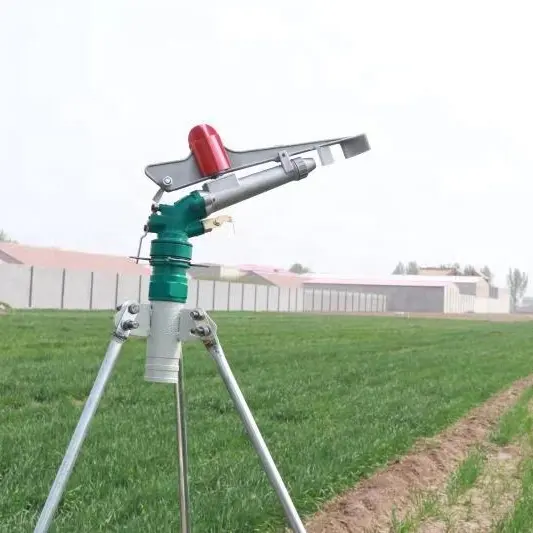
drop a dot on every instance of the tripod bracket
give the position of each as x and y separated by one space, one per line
126 320
190 325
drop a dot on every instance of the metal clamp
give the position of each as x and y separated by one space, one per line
193 324
196 325
126 319
286 163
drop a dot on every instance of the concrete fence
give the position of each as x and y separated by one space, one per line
25 287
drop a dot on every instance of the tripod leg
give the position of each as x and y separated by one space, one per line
181 430
216 351
67 465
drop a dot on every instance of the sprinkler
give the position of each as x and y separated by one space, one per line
165 321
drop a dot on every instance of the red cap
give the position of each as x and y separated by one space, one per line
208 150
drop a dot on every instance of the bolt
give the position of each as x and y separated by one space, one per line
134 309
197 315
130 324
167 180
201 331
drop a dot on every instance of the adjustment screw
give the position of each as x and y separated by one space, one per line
167 180
119 307
134 309
197 315
130 324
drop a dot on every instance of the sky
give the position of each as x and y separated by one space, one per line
92 92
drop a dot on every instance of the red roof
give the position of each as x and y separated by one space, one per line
58 258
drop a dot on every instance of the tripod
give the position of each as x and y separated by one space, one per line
185 325
164 321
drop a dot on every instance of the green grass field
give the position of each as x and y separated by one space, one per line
335 397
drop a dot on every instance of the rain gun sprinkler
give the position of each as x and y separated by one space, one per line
165 321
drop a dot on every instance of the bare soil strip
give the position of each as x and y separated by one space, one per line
369 506
486 503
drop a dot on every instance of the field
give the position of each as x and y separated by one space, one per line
336 398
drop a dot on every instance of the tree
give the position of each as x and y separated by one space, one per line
399 269
517 282
488 274
412 268
469 270
298 268
4 237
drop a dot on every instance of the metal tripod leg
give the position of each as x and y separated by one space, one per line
124 322
181 430
206 330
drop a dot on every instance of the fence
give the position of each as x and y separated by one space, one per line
25 287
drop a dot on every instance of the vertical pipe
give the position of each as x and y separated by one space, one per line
181 433
117 277
63 275
30 295
91 290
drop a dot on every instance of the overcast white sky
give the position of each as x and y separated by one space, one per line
93 91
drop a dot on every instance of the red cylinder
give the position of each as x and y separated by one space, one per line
208 150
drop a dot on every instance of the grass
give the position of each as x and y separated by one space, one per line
466 475
335 396
521 519
516 421
427 506
517 425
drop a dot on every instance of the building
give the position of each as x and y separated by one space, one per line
41 257
249 274
97 274
525 306
425 294
439 271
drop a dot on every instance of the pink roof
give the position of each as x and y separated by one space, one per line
263 268
283 280
58 258
404 281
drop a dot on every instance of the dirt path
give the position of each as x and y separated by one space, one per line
370 505
480 508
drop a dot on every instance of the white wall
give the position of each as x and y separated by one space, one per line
25 287
454 302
